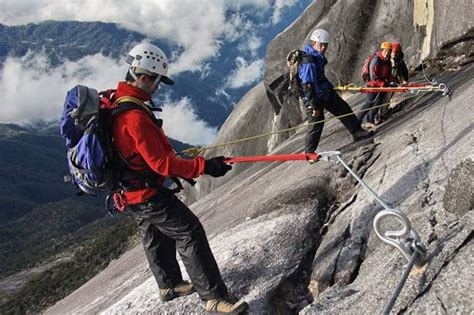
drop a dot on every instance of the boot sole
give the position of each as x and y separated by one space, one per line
240 310
175 295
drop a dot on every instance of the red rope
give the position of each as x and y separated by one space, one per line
384 89
405 88
273 158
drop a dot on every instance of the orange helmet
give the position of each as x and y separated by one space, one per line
386 45
396 47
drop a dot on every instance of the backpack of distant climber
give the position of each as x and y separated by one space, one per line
365 73
294 59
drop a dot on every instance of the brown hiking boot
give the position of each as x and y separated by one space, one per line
310 161
368 126
224 306
182 289
362 134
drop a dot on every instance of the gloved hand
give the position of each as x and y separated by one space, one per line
393 84
216 167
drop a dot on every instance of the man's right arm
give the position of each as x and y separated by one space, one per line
152 144
307 74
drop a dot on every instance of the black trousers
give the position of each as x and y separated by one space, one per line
373 99
336 106
167 225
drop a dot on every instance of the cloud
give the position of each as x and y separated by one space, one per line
280 6
251 45
198 27
245 73
30 90
181 123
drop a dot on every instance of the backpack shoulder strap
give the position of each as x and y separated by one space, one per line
308 58
375 58
125 106
125 103
375 61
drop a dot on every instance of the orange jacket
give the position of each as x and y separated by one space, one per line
380 70
144 144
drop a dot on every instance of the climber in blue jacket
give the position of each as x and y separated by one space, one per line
319 94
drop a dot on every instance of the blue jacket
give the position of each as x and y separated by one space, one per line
314 73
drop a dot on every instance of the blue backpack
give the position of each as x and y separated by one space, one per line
94 164
89 152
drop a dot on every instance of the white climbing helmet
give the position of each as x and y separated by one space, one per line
319 35
149 59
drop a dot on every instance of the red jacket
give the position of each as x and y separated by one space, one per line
380 70
144 144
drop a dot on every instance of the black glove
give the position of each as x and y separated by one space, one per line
393 84
216 167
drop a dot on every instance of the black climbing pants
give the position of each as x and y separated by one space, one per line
167 225
373 99
336 106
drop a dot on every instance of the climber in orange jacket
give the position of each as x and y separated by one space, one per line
380 75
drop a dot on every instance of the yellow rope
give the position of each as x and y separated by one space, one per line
348 87
194 151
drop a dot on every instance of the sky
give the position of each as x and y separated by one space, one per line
198 27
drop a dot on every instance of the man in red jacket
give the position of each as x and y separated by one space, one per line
380 75
167 225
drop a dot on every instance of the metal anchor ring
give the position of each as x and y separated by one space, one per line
394 238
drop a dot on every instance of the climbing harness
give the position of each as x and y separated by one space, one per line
406 240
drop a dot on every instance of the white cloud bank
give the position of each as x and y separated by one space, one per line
197 26
182 123
245 73
29 90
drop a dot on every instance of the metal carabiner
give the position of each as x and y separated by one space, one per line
329 156
444 88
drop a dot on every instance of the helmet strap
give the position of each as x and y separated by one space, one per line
140 85
132 73
157 81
